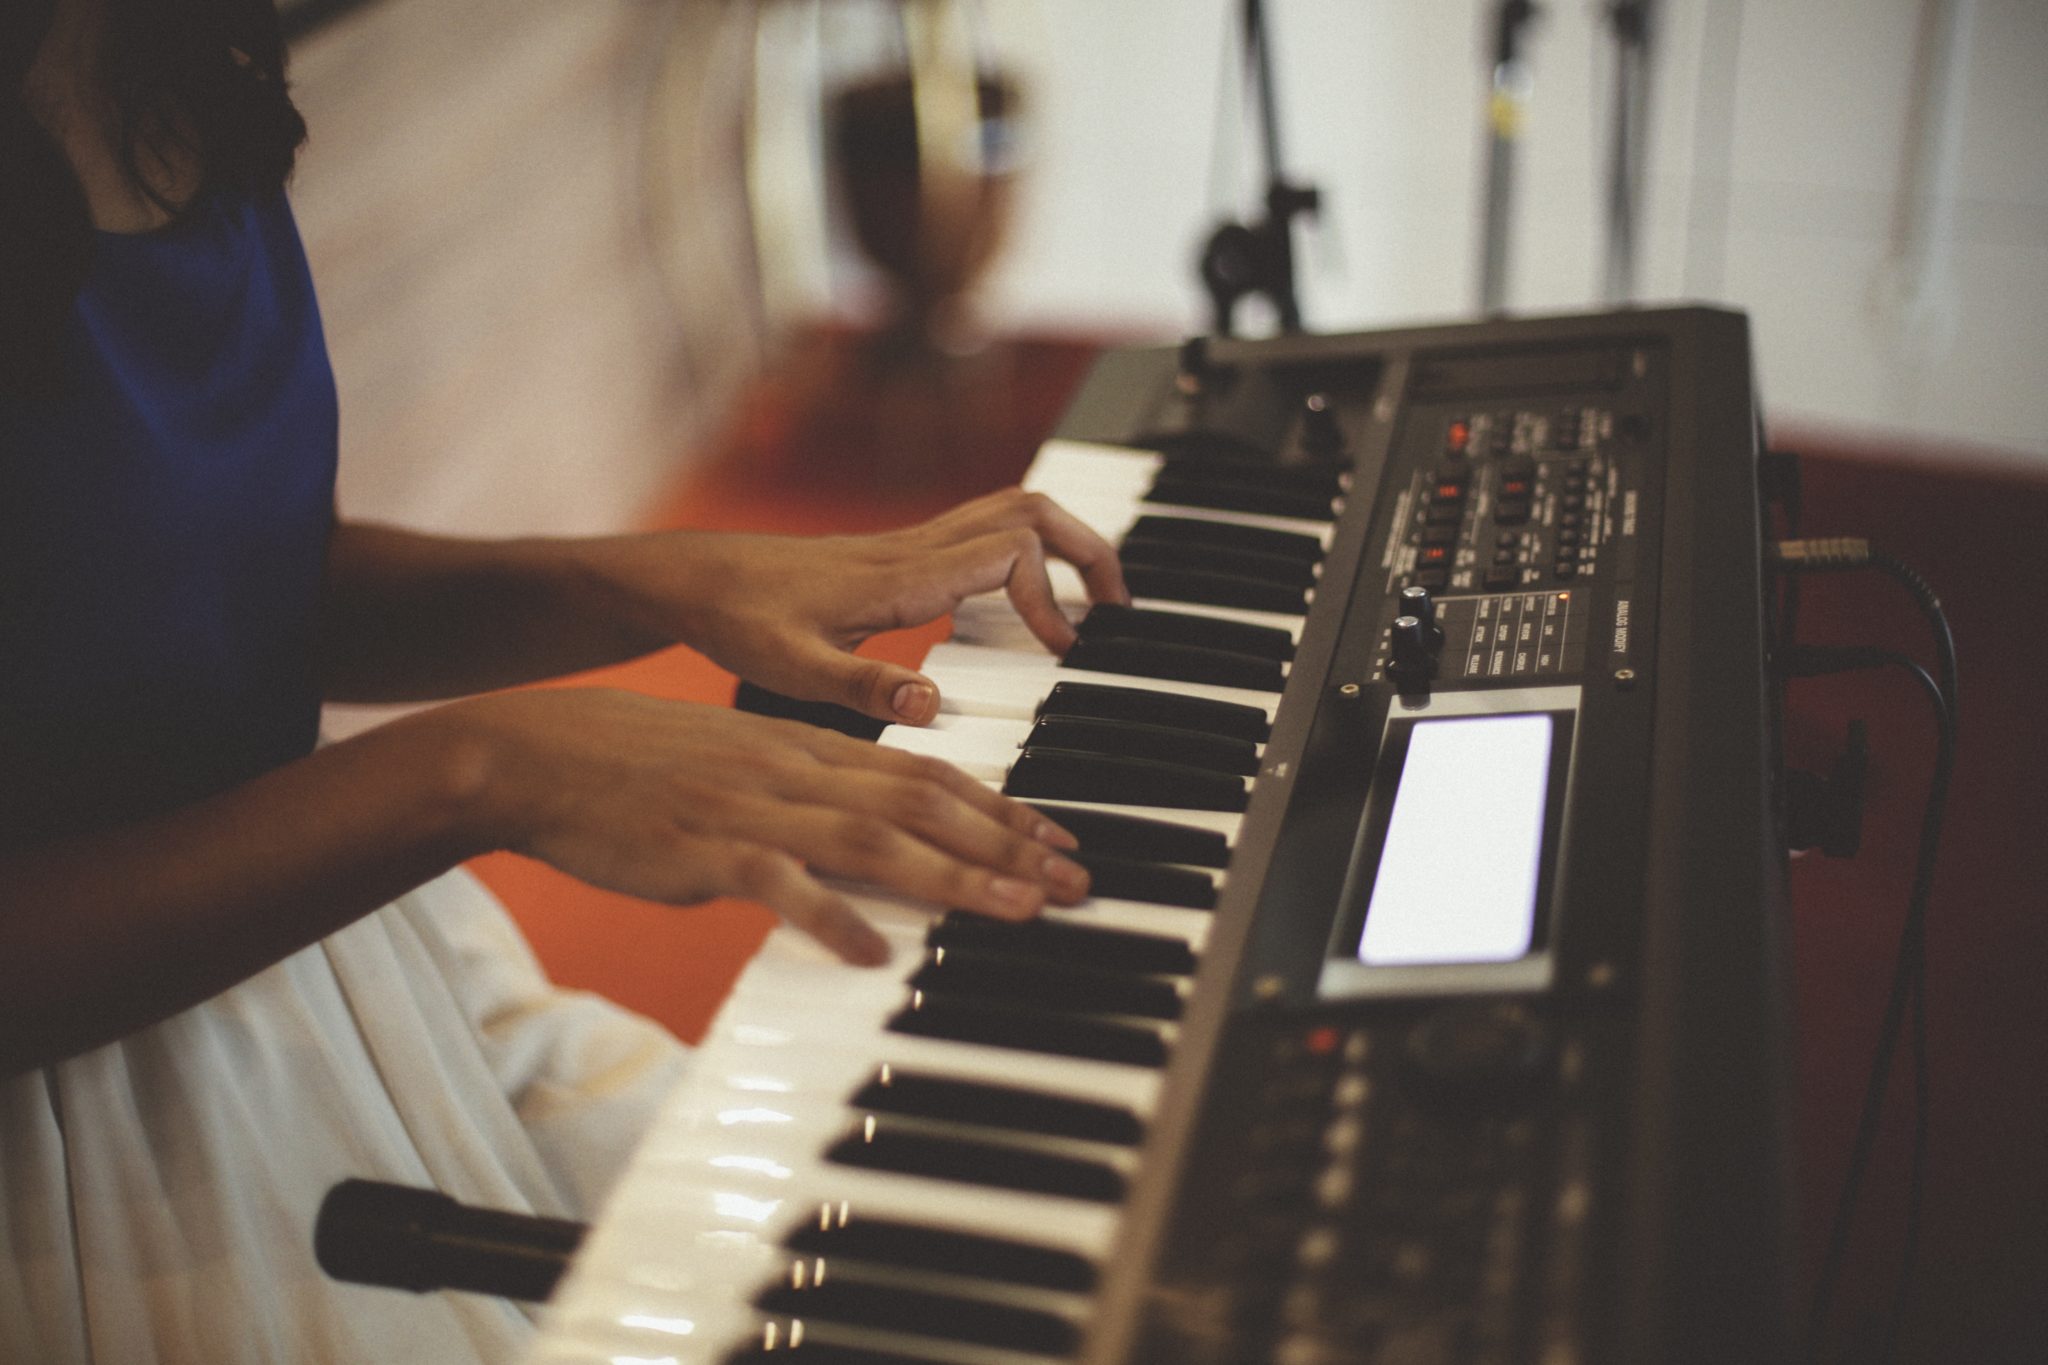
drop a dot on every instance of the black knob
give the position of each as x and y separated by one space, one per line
1320 433
1417 602
1413 649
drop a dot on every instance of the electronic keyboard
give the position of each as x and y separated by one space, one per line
1430 1003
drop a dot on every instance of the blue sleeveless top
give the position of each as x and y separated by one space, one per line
163 527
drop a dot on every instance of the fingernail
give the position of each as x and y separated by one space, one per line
915 700
866 948
1050 833
1068 878
1012 894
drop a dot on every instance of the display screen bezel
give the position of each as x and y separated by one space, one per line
1343 974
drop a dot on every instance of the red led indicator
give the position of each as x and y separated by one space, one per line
1458 437
1322 1041
1434 554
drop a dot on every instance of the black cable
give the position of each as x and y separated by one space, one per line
1819 661
1916 1167
1906 1001
1910 976
1945 653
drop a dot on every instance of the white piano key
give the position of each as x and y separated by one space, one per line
776 1182
1223 822
748 1073
1300 526
764 1151
1189 926
1072 595
1064 470
1088 478
1110 515
989 619
975 680
694 1302
922 1350
805 974
904 921
983 746
1074 1077
796 1003
693 1230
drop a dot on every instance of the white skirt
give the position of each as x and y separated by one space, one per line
157 1195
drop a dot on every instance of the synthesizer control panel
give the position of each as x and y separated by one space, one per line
1446 1047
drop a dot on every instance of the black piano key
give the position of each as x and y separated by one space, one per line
1066 775
824 714
1196 531
1135 739
1200 444
918 1311
1018 982
1132 836
879 1145
1110 620
1215 589
811 1351
1279 570
1175 663
1048 940
1106 701
964 1021
1249 497
1326 478
1131 879
913 1094
915 1246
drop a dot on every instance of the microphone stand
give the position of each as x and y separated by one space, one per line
1259 259
1627 149
1507 101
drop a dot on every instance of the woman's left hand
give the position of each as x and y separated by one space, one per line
785 612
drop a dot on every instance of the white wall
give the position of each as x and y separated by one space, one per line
478 196
1779 127
480 200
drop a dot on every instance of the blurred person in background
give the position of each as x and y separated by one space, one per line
237 966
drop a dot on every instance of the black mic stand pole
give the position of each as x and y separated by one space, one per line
1507 100
1627 150
1259 259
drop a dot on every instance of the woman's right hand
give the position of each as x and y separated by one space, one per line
678 802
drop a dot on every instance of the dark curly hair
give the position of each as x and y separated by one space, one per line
197 79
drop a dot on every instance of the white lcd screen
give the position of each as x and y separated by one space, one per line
1458 873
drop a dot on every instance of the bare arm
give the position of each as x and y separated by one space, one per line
103 934
416 617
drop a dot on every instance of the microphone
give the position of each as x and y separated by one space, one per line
397 1237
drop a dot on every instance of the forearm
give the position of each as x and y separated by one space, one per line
103 934
414 617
